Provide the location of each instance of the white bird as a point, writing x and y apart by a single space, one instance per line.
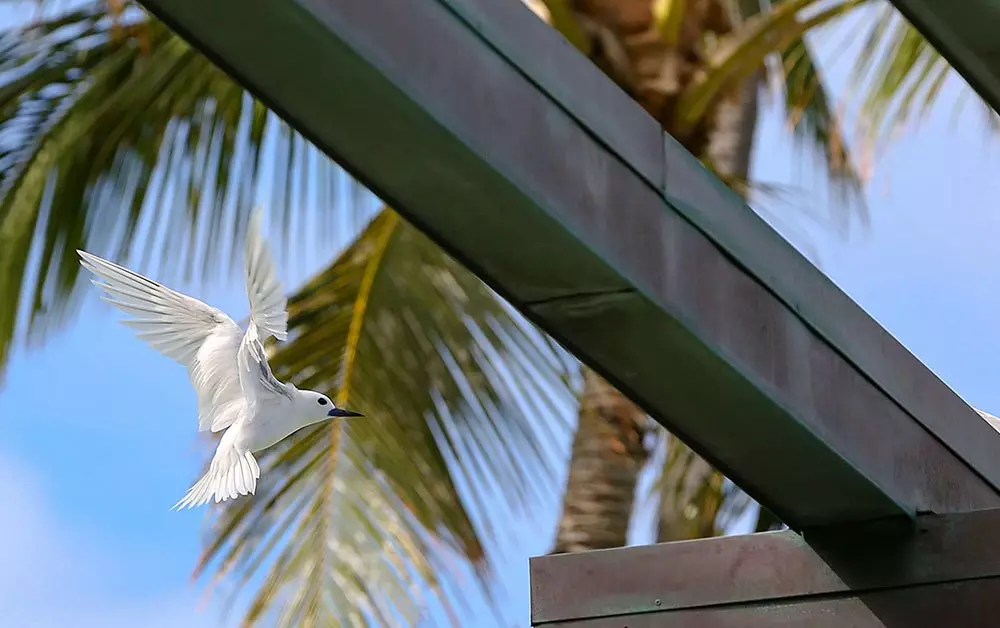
236 390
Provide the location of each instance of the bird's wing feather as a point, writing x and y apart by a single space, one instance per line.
268 317
256 379
197 335
267 296
230 475
215 378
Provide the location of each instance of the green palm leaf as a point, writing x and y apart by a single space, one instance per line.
117 136
780 30
451 384
692 498
736 56
902 75
816 128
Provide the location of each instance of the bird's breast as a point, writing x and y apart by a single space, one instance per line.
266 431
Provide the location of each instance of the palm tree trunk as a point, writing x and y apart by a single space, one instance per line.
608 449
730 144
608 453
691 490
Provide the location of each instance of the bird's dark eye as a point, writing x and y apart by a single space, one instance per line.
321 401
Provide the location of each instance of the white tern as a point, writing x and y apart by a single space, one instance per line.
236 390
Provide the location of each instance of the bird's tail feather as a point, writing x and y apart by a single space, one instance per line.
230 475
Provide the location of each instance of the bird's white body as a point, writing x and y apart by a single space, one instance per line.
237 393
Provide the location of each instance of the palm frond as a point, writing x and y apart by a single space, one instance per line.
902 75
560 16
736 56
668 17
691 495
780 31
815 125
453 386
118 137
694 499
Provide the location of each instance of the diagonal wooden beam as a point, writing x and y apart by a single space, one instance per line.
490 133
936 571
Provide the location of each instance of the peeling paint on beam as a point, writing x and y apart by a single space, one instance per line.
550 184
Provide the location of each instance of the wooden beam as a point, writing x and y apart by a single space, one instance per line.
969 604
489 132
937 571
967 38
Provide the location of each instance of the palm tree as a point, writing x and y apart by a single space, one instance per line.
697 68
900 75
118 137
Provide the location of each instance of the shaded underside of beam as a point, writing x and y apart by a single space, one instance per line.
965 33
490 133
935 571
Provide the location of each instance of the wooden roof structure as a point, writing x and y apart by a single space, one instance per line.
559 191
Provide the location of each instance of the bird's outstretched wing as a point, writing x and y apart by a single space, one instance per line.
268 317
197 335
268 306
256 378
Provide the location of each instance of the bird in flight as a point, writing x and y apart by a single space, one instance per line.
236 390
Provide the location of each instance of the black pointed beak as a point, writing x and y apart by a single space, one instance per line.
341 413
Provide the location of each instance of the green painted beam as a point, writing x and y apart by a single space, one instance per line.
965 33
489 132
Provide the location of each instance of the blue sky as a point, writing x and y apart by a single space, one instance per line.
97 431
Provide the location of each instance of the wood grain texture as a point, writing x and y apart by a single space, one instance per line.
776 570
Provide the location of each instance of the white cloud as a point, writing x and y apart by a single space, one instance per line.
51 576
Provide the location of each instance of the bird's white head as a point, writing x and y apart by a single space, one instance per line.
318 407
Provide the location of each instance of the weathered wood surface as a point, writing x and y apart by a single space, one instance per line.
937 571
969 604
